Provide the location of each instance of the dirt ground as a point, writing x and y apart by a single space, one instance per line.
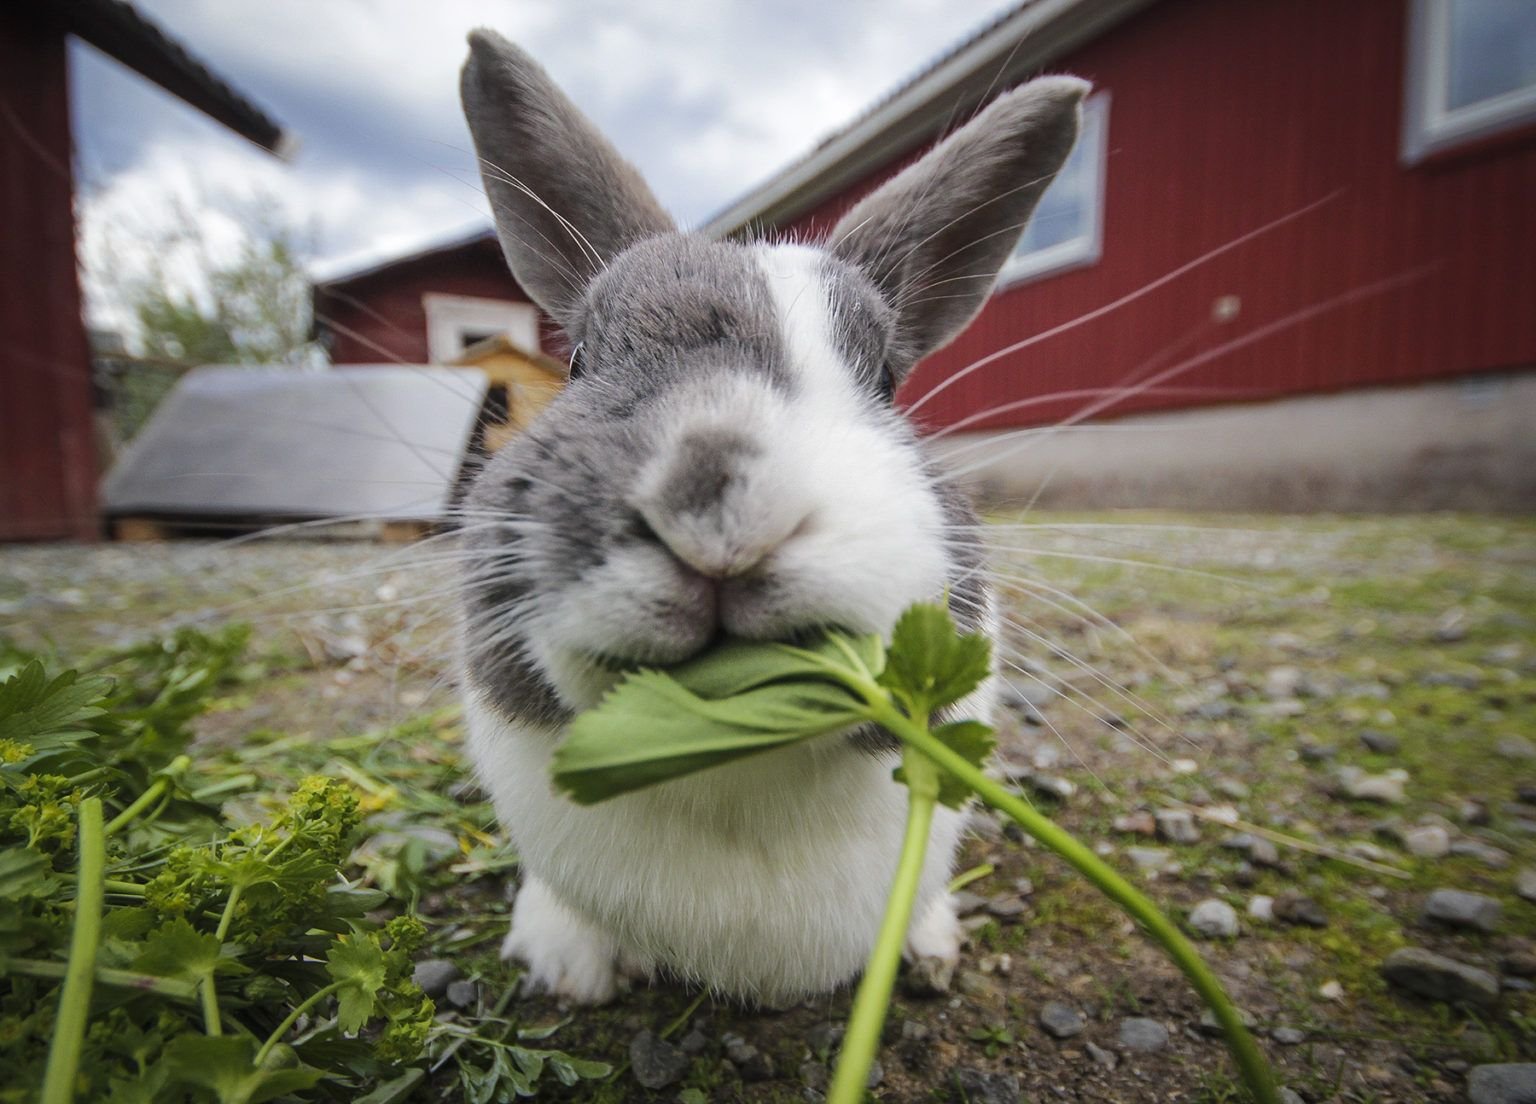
1315 722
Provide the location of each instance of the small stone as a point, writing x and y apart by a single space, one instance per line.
1521 964
656 1063
1459 909
462 994
976 1086
1101 1057
1149 860
1263 852
694 1043
914 1032
929 976
1473 811
813 1075
1382 743
1485 853
1288 1036
967 902
1311 752
825 1038
1141 823
1439 978
1007 906
1261 907
1294 908
1385 788
434 975
1291 1096
1525 883
1060 1020
752 1063
1515 747
1141 1034
1177 826
1331 990
1505 1083
1427 841
1214 919
1231 787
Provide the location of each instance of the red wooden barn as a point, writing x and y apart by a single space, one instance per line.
1292 263
48 466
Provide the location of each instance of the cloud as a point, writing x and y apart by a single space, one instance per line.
706 98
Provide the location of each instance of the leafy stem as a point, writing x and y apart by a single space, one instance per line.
80 973
862 1038
149 796
293 1017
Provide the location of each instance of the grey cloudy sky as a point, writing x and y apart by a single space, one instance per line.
707 98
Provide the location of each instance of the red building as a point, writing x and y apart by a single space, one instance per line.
48 466
1292 263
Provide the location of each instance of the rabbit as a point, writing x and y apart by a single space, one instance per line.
725 460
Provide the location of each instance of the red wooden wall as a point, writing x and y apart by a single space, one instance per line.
379 317
47 450
1225 116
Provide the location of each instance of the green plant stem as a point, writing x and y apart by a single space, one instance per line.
1250 1060
228 915
106 975
862 1038
293 1018
149 796
80 973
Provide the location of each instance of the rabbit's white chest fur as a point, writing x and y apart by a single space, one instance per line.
766 879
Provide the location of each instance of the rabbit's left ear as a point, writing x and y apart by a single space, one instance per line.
934 238
566 203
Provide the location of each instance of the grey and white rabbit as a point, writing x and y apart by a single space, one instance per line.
725 460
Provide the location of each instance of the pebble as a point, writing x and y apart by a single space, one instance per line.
1515 747
929 976
752 1063
825 1038
1214 919
434 975
1505 1083
1331 990
1141 823
462 994
1141 1034
1294 908
1382 743
1460 909
1101 1057
1150 860
656 1063
1521 964
1315 753
1007 906
1264 852
1261 907
1288 1036
1177 826
1440 978
1427 841
813 1075
1485 853
1385 788
1210 1025
1525 883
1060 1020
980 1087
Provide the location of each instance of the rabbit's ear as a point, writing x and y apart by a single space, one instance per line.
934 237
565 202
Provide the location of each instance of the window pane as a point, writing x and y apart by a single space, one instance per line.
1493 49
1065 212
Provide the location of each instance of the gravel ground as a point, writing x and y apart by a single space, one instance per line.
1310 740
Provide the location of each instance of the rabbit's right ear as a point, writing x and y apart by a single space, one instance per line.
565 202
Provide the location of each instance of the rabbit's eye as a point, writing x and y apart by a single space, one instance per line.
578 361
886 386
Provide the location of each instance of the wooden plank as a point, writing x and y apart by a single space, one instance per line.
138 530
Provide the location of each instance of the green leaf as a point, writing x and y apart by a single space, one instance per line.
929 663
226 1065
396 1090
650 729
35 710
24 873
973 741
358 962
740 665
178 950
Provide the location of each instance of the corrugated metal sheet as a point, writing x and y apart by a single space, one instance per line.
47 451
377 442
1226 116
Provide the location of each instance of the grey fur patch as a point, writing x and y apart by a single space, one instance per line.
565 202
704 466
934 238
863 324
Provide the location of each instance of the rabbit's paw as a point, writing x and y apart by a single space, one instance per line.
566 955
936 934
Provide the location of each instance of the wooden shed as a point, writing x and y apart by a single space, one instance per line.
48 465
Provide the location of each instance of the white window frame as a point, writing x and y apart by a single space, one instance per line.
1086 248
1428 125
450 317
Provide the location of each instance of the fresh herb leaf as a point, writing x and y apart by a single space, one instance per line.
930 663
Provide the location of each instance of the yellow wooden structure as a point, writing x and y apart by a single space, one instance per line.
522 383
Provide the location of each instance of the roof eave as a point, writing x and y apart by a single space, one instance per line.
1032 37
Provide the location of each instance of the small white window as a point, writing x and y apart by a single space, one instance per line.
1066 230
455 322
1471 72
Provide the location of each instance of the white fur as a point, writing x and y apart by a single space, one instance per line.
767 878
